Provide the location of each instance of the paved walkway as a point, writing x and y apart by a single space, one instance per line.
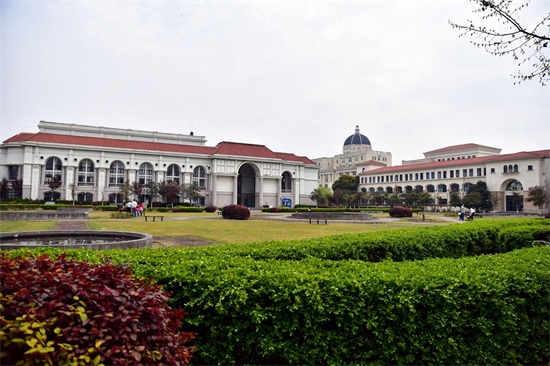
71 225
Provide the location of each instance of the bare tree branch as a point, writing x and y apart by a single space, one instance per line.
504 35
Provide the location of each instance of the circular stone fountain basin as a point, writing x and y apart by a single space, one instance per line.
75 239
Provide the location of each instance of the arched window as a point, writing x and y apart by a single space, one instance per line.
442 188
505 169
380 189
371 189
467 187
85 196
116 174
145 173
430 188
408 189
510 168
286 182
418 189
389 189
514 186
86 173
516 168
455 187
173 174
116 198
53 168
199 177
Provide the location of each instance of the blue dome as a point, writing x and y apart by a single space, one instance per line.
357 139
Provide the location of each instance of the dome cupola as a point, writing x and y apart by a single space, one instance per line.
357 139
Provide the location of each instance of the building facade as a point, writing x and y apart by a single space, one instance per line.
94 162
456 168
357 149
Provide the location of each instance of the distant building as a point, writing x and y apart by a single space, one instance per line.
456 168
98 160
357 152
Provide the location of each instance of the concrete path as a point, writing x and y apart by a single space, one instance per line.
71 225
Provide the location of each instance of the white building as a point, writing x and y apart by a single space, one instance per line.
98 160
357 149
507 176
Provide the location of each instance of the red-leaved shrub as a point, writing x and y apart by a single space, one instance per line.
210 209
236 212
400 211
57 311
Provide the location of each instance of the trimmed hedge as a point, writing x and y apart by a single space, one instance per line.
318 301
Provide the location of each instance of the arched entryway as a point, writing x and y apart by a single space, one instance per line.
246 186
514 195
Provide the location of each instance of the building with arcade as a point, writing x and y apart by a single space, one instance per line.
94 162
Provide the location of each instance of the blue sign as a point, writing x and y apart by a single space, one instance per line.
287 202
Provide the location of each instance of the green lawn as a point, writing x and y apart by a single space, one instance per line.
212 227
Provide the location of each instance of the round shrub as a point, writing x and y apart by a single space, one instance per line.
58 312
236 212
210 209
274 209
400 211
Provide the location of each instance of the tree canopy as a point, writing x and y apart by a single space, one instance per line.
507 28
347 183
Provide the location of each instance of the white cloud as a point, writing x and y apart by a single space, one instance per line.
294 76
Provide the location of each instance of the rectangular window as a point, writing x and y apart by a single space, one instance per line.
415 176
444 174
438 175
433 175
427 175
529 167
492 170
13 172
479 172
471 172
421 176
464 173
457 173
451 173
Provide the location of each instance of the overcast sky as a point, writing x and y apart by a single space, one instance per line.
296 76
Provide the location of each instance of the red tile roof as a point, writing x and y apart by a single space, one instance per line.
457 147
371 162
223 148
240 149
460 162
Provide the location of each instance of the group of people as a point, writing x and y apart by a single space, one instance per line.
462 213
135 208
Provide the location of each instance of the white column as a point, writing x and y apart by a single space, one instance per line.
214 189
101 181
261 192
235 185
69 176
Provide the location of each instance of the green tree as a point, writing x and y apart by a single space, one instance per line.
472 199
410 198
137 189
190 191
347 183
152 190
321 195
424 199
502 31
125 189
394 199
484 196
537 195
455 199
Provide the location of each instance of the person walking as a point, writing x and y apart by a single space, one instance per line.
472 213
462 212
